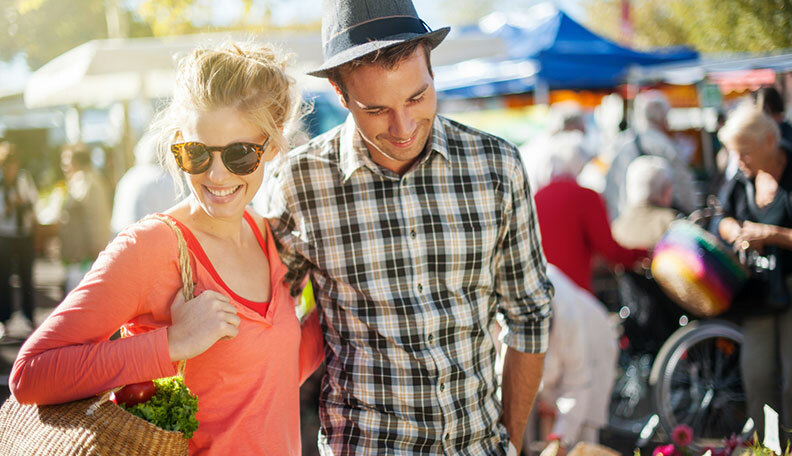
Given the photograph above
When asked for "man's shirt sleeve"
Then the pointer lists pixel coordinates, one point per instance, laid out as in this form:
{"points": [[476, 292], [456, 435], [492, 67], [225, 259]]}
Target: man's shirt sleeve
{"points": [[521, 282]]}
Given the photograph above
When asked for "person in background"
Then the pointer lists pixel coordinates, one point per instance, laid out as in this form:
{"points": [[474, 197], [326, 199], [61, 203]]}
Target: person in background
{"points": [[18, 198], [247, 353], [85, 217], [573, 219], [771, 101], [417, 232], [651, 136], [580, 364], [648, 213], [145, 188], [758, 217]]}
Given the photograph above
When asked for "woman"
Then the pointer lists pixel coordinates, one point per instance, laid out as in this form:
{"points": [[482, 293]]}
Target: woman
{"points": [[758, 217], [245, 349], [573, 219]]}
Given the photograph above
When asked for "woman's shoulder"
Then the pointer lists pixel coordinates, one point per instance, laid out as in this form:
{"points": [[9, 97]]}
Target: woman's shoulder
{"points": [[151, 233]]}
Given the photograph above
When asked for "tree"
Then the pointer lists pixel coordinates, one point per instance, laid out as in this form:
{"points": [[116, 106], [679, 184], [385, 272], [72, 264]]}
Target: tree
{"points": [[43, 29], [707, 25]]}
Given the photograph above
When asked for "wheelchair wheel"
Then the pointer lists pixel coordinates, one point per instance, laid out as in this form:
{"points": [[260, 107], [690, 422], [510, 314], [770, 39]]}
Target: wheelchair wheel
{"points": [[698, 382]]}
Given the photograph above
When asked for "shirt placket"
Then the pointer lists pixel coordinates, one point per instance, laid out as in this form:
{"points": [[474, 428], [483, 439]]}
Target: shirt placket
{"points": [[416, 243]]}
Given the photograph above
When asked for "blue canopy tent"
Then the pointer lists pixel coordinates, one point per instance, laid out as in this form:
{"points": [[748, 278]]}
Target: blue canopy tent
{"points": [[564, 55]]}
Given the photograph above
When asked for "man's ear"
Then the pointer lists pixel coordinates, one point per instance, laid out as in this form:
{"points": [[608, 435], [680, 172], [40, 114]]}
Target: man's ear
{"points": [[340, 94]]}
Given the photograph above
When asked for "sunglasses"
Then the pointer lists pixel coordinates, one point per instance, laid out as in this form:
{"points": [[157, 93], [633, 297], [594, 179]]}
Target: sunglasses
{"points": [[239, 158]]}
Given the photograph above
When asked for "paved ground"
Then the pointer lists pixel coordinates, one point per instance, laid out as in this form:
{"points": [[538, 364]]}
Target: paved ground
{"points": [[48, 279]]}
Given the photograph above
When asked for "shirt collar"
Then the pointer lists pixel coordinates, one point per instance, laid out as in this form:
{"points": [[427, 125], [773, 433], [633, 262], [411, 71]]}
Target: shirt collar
{"points": [[354, 154]]}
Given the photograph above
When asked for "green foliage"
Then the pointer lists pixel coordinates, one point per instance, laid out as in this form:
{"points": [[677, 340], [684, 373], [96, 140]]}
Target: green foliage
{"points": [[757, 449], [707, 25], [172, 408], [44, 29]]}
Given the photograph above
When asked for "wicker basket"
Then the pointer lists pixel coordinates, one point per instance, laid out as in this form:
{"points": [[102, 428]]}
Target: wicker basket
{"points": [[67, 429], [70, 429]]}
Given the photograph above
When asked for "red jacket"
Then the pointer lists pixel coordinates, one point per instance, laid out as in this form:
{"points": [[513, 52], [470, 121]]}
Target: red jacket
{"points": [[574, 225]]}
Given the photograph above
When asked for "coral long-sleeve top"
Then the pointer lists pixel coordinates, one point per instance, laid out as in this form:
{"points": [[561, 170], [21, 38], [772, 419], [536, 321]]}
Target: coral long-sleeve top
{"points": [[574, 226], [247, 387]]}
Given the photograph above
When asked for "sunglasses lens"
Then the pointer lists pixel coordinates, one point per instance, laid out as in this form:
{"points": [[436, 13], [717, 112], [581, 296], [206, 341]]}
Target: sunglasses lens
{"points": [[241, 158], [193, 157]]}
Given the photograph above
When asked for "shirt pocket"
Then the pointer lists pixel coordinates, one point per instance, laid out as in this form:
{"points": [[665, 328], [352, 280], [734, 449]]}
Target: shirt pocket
{"points": [[470, 243]]}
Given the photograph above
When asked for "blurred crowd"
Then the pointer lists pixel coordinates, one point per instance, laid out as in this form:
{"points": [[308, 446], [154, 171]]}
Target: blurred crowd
{"points": [[603, 198]]}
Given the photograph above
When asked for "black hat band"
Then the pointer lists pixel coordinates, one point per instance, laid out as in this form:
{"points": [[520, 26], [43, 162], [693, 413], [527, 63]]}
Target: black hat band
{"points": [[376, 30]]}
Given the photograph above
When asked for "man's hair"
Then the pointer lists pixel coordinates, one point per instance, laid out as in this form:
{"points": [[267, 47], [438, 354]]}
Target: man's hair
{"points": [[8, 153], [651, 109], [770, 99], [80, 154], [388, 58]]}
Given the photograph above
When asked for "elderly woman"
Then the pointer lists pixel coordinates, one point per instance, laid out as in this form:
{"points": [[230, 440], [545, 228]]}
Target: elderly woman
{"points": [[573, 219], [758, 216], [247, 352], [649, 194]]}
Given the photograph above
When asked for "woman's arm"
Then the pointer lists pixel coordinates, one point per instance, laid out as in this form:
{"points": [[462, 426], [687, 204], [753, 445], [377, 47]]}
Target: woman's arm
{"points": [[757, 235], [70, 357], [311, 346], [598, 232]]}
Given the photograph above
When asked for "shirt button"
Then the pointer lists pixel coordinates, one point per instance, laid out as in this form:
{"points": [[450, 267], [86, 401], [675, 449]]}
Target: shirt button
{"points": [[442, 387], [412, 234], [431, 338], [448, 436], [420, 288]]}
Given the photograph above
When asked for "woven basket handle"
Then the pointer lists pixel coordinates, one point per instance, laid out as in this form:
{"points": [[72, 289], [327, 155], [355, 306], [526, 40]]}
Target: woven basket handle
{"points": [[188, 288]]}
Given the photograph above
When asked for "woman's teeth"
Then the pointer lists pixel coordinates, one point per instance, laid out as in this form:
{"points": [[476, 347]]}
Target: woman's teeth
{"points": [[219, 192]]}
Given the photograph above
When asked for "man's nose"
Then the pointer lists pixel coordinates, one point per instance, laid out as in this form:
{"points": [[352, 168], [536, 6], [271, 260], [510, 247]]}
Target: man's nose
{"points": [[402, 124]]}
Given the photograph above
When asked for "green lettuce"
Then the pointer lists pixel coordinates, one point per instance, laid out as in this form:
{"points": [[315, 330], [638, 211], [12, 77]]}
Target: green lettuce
{"points": [[172, 408]]}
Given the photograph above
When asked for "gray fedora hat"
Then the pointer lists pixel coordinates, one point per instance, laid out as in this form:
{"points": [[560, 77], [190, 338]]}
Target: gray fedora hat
{"points": [[354, 28]]}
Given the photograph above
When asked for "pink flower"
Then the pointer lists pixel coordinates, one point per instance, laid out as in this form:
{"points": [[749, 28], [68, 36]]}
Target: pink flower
{"points": [[732, 442], [665, 450], [682, 435]]}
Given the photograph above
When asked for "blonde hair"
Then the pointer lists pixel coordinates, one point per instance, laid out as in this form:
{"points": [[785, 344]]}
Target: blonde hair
{"points": [[249, 77], [749, 121]]}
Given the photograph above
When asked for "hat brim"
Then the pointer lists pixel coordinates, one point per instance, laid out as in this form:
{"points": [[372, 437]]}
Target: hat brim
{"points": [[434, 37]]}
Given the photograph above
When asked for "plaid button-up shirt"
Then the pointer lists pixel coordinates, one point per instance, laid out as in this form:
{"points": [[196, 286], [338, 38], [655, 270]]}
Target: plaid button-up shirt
{"points": [[409, 272]]}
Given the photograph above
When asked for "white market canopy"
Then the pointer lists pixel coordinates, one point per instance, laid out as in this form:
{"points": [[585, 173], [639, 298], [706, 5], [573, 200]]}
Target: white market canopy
{"points": [[100, 72]]}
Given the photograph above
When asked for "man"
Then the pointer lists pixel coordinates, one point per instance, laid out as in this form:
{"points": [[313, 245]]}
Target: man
{"points": [[416, 232], [651, 137], [18, 196], [772, 102], [85, 216]]}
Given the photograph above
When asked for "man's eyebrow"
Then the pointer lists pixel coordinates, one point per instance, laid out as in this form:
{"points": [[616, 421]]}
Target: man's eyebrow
{"points": [[373, 108]]}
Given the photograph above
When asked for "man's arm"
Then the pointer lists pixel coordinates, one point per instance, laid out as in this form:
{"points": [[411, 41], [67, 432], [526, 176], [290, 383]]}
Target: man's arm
{"points": [[524, 293], [522, 374]]}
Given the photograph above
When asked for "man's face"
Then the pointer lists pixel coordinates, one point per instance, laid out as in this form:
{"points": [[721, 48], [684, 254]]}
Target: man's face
{"points": [[393, 109]]}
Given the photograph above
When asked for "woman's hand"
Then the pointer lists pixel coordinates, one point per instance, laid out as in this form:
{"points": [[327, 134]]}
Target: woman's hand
{"points": [[200, 322], [754, 235]]}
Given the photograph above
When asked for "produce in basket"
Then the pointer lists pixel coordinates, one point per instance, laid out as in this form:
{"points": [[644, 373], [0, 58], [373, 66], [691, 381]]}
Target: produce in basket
{"points": [[169, 404]]}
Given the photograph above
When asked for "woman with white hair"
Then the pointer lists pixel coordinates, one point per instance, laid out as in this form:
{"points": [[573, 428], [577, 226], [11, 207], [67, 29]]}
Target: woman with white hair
{"points": [[649, 188], [573, 219], [758, 216]]}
